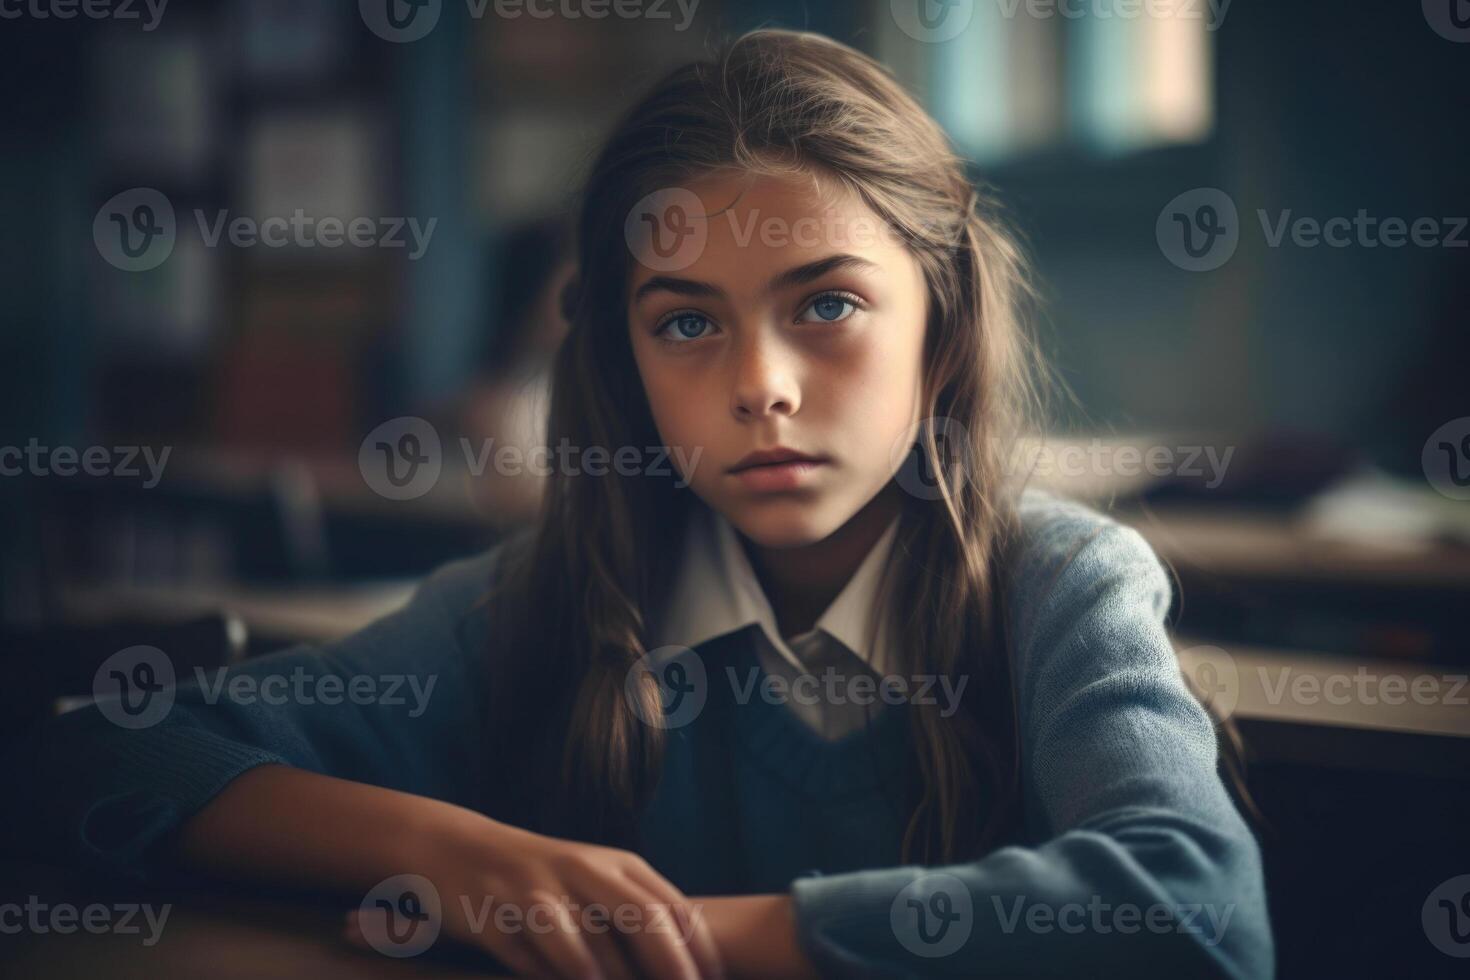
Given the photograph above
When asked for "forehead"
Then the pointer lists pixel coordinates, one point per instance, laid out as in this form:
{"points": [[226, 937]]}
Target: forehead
{"points": [[737, 230]]}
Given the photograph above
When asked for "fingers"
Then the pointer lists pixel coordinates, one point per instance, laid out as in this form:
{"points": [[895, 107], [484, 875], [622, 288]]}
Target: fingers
{"points": [[611, 956], [656, 953], [517, 955], [542, 893], [563, 946], [512, 952], [693, 928]]}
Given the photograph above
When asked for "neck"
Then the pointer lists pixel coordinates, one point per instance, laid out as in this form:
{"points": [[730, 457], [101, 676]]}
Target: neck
{"points": [[802, 582]]}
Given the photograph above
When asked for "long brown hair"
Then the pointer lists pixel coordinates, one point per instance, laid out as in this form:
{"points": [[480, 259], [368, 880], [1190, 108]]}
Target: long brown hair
{"points": [[571, 755]]}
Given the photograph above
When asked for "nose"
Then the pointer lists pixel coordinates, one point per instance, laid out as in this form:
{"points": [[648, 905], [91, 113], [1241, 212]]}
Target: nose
{"points": [[765, 382]]}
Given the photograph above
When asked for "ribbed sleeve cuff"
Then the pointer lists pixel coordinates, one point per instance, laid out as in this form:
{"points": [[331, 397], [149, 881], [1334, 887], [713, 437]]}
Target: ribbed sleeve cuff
{"points": [[845, 924], [169, 777]]}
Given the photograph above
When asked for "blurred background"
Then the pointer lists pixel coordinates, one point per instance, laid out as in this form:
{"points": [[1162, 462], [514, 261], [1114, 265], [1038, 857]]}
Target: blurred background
{"points": [[1248, 219]]}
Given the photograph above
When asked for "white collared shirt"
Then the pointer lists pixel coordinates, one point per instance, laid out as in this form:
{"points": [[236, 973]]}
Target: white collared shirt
{"points": [[715, 591]]}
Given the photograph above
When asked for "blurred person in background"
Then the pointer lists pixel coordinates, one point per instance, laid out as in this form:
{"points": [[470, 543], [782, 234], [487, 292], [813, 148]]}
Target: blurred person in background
{"points": [[505, 408]]}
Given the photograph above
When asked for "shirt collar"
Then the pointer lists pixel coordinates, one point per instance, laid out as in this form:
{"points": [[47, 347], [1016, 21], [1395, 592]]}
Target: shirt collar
{"points": [[715, 592]]}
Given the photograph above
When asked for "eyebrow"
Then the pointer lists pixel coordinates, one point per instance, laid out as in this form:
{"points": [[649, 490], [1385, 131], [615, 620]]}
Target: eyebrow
{"points": [[782, 280]]}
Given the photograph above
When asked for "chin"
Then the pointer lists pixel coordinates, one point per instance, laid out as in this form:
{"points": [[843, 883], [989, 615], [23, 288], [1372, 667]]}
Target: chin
{"points": [[785, 521]]}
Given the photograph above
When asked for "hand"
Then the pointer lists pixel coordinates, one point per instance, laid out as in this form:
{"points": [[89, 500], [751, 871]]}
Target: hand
{"points": [[580, 911]]}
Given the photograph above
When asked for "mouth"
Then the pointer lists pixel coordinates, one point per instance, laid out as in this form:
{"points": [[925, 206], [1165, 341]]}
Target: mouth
{"points": [[780, 456], [779, 470]]}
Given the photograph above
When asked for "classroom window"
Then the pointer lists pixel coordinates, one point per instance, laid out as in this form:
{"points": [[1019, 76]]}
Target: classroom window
{"points": [[1013, 84]]}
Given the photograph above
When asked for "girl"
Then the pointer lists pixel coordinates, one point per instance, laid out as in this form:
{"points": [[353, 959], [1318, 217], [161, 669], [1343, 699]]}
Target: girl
{"points": [[865, 712]]}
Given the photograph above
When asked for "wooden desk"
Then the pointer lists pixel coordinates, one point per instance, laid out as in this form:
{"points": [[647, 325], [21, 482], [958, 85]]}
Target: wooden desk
{"points": [[1266, 694], [1272, 551], [1339, 712], [1272, 547], [204, 934], [313, 615], [1323, 689]]}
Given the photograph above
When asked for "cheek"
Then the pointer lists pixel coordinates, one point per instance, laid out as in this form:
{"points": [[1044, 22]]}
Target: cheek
{"points": [[871, 395], [675, 403], [880, 376], [685, 416]]}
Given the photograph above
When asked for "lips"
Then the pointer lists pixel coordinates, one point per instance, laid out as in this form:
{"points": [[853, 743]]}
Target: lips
{"points": [[776, 470], [773, 457]]}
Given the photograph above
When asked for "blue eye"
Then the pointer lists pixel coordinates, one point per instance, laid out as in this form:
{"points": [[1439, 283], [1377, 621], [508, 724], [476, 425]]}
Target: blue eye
{"points": [[685, 327], [831, 308]]}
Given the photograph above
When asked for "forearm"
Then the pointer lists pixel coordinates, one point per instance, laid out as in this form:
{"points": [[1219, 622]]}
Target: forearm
{"points": [[756, 935], [290, 826]]}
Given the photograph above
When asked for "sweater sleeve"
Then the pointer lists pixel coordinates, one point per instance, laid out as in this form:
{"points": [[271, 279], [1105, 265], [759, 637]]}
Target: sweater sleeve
{"points": [[1142, 864], [395, 704]]}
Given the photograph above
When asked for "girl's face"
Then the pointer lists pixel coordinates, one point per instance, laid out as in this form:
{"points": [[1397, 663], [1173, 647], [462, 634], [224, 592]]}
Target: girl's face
{"points": [[798, 323]]}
